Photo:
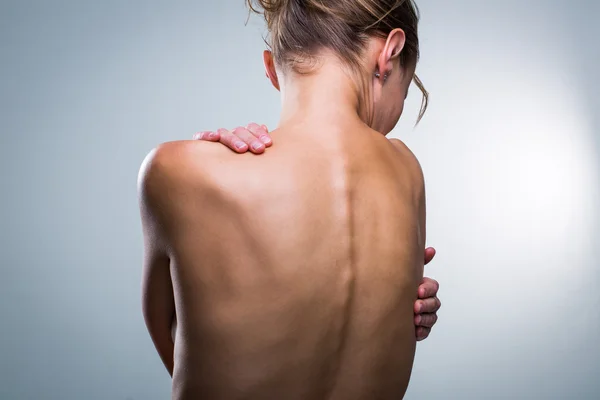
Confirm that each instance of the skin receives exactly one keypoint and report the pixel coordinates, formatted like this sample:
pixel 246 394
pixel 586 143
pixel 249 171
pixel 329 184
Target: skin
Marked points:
pixel 256 139
pixel 299 278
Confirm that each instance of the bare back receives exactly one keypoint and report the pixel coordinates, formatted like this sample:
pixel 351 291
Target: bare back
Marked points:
pixel 295 272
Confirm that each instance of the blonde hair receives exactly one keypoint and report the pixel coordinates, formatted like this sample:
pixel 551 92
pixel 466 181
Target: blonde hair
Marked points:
pixel 300 28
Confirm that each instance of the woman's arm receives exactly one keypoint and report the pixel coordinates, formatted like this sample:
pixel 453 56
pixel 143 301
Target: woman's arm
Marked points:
pixel 158 302
pixel 158 305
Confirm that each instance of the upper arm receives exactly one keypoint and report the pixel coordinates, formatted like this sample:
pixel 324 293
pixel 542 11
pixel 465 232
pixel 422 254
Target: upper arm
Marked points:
pixel 158 303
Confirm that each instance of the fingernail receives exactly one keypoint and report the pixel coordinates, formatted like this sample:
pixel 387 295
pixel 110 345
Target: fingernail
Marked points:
pixel 257 146
pixel 240 145
pixel 265 139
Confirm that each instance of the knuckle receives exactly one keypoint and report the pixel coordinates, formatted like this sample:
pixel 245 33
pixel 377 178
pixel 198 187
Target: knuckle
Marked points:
pixel 230 139
pixel 420 305
pixel 428 321
pixel 430 305
pixel 227 137
pixel 428 292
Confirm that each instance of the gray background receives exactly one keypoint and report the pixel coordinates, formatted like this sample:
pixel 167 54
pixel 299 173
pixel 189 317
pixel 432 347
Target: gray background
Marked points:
pixel 510 148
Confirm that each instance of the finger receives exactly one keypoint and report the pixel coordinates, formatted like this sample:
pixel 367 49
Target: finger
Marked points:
pixel 430 305
pixel 428 288
pixel 422 333
pixel 232 141
pixel 429 254
pixel 207 135
pixel 255 145
pixel 261 132
pixel 426 320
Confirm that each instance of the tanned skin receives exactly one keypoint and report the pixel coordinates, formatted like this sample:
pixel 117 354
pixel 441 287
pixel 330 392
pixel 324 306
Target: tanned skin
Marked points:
pixel 297 279
pixel 256 139
pixel 314 299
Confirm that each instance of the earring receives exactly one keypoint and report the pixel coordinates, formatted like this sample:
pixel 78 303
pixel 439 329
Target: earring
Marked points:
pixel 385 76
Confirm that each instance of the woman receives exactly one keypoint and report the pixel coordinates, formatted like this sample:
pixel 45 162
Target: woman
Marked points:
pixel 316 298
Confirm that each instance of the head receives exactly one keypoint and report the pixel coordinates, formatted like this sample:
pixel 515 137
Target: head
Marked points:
pixel 375 41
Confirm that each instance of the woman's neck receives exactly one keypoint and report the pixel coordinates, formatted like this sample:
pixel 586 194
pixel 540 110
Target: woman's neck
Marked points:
pixel 328 96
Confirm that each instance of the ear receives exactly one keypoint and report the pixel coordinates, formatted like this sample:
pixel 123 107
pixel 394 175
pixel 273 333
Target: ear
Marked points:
pixel 270 68
pixel 391 50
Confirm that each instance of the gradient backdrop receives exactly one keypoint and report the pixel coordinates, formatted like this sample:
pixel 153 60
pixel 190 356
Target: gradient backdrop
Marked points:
pixel 510 148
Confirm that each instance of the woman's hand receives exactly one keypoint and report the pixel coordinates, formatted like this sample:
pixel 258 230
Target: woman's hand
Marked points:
pixel 427 306
pixel 256 138
pixel 253 137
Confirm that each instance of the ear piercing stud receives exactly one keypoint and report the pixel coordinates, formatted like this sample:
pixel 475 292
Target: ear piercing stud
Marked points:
pixel 385 76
